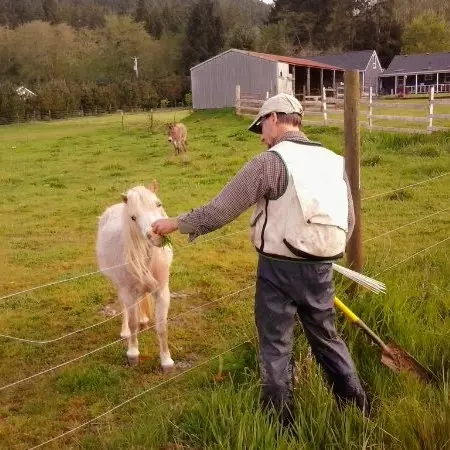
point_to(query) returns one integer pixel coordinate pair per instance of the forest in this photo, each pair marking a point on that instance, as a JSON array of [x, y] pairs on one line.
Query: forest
[[101, 55]]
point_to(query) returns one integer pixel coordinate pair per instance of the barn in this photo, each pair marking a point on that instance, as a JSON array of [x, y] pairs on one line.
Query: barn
[[366, 62], [214, 81]]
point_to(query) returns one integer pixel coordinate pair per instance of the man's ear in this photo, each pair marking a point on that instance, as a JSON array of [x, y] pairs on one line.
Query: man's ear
[[154, 186]]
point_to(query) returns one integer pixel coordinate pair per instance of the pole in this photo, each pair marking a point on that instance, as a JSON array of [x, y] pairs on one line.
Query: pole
[[238, 99], [352, 163], [431, 110], [324, 106]]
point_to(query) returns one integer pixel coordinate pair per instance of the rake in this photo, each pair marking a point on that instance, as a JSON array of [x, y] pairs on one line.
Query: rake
[[392, 355]]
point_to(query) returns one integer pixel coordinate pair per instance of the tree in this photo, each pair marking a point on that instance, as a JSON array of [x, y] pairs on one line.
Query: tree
[[204, 34], [242, 37], [426, 33], [50, 8]]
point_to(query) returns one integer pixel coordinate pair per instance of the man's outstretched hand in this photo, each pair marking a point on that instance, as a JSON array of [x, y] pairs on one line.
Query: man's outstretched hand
[[165, 226]]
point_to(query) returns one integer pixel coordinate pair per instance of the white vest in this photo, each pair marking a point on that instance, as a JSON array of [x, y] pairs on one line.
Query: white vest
[[310, 220]]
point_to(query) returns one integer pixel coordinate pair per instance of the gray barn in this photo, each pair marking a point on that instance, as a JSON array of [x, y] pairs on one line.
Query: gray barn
[[214, 81]]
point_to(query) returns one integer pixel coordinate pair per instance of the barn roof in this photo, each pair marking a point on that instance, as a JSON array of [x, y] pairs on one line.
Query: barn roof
[[294, 61], [277, 58], [348, 60], [420, 63]]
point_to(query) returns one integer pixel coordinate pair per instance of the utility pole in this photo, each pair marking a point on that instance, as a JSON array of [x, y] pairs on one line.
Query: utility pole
[[135, 66], [352, 163]]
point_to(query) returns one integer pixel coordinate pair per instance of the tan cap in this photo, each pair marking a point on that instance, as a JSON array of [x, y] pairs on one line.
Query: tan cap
[[281, 103]]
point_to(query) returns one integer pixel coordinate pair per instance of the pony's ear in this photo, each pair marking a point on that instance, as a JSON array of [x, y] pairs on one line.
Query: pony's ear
[[124, 198], [154, 186]]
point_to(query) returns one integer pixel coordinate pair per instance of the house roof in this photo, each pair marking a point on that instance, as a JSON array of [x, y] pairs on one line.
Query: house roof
[[349, 60], [277, 58], [420, 63], [22, 91]]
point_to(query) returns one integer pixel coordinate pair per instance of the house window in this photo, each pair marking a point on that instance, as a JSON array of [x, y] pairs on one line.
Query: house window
[[429, 77], [374, 65], [447, 78]]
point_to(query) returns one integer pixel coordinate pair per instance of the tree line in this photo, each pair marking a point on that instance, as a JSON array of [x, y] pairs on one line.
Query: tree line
[[78, 55]]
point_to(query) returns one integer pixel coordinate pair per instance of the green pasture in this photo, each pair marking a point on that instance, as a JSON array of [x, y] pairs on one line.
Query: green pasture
[[56, 179]]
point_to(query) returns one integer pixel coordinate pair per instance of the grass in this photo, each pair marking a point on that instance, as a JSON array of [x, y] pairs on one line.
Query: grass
[[56, 179]]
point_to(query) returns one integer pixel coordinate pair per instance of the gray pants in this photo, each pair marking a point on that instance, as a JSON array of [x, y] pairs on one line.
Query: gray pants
[[284, 289]]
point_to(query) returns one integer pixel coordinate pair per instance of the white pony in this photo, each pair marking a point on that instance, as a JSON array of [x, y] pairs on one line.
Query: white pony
[[125, 239]]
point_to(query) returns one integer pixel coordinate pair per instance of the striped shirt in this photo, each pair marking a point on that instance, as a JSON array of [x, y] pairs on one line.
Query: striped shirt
[[264, 176]]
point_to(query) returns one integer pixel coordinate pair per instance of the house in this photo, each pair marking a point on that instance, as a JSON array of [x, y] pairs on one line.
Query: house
[[258, 74], [416, 74], [365, 61], [24, 92]]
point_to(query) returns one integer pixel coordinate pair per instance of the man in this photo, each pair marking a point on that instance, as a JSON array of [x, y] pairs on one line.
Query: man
[[303, 217]]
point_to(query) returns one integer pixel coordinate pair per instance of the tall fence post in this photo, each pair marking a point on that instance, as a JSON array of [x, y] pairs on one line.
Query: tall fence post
[[370, 107], [352, 163], [431, 110], [151, 120], [121, 112], [324, 106], [238, 99]]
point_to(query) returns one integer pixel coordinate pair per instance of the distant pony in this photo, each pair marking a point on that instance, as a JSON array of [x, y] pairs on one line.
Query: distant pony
[[177, 136], [125, 239]]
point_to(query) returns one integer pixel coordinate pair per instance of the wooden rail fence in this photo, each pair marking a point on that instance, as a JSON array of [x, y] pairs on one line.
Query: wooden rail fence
[[330, 111]]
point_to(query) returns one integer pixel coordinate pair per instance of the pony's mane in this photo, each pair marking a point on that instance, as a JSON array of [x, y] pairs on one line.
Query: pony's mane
[[137, 249]]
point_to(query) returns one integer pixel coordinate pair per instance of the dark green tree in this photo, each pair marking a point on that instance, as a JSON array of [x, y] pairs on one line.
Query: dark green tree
[[50, 9], [204, 34]]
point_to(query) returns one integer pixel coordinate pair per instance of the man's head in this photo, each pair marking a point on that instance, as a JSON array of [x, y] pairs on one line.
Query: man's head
[[278, 114]]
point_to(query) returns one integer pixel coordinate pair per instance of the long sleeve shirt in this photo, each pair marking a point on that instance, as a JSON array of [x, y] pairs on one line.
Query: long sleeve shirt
[[263, 176]]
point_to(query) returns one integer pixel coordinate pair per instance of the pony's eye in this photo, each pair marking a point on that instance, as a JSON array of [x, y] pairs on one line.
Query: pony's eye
[[158, 204], [133, 218]]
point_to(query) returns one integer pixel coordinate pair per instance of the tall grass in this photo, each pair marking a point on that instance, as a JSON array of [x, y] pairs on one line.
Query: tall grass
[[57, 178]]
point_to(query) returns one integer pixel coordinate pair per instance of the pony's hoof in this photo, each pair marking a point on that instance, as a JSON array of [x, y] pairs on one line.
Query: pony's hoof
[[168, 366], [125, 334], [133, 360]]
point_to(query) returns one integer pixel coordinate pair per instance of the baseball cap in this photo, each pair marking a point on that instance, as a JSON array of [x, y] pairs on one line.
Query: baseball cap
[[280, 103]]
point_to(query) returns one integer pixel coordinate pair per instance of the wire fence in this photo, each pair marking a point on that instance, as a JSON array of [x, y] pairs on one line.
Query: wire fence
[[52, 115], [204, 363]]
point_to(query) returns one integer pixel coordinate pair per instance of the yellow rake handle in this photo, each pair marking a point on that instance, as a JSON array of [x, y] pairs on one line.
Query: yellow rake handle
[[347, 312]]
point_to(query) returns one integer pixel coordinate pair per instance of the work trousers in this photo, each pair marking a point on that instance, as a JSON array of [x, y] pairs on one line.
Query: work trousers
[[283, 290]]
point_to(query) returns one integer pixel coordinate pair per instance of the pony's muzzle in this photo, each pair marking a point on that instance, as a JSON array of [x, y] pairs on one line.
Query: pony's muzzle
[[170, 139], [154, 238]]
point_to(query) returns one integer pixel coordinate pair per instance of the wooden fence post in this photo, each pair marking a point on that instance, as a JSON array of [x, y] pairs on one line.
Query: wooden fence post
[[238, 99], [352, 163], [370, 107], [121, 112], [151, 120], [431, 110], [324, 106]]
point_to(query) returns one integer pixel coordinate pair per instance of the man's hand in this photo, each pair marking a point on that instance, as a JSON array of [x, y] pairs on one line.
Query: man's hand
[[165, 226]]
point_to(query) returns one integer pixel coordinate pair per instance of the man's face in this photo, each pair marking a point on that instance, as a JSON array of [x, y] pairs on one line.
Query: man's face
[[269, 130]]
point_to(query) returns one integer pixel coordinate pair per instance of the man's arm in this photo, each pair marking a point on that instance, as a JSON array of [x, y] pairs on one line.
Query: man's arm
[[264, 175]]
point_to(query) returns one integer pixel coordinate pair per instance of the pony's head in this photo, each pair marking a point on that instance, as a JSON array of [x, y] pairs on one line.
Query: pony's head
[[143, 207]]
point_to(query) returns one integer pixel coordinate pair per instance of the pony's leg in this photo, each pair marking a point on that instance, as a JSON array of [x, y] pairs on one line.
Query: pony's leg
[[145, 310], [125, 331], [130, 303], [162, 301]]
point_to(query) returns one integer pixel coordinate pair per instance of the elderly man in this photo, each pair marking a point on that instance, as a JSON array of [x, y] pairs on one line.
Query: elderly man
[[302, 220]]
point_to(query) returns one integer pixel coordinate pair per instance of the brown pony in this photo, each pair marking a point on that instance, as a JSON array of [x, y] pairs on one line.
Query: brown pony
[[177, 136]]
